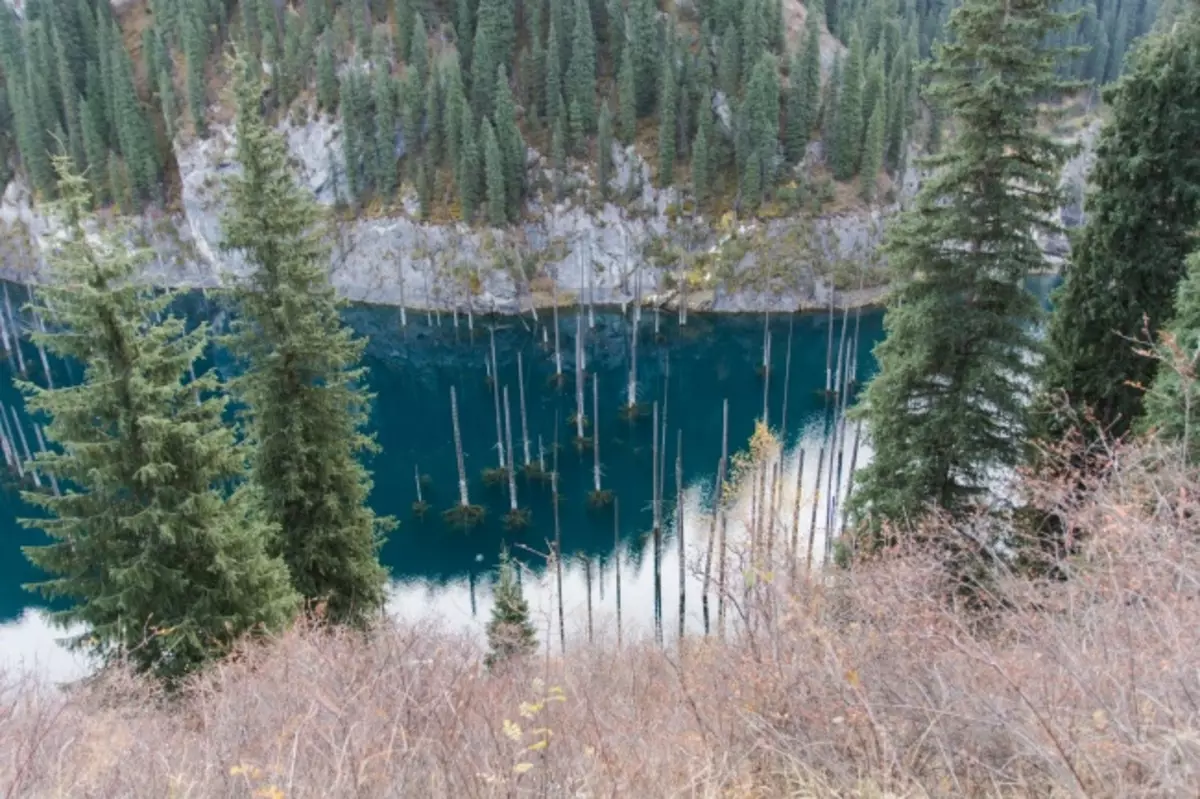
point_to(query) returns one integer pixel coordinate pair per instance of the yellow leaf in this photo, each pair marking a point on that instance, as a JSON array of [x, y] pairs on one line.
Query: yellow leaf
[[539, 746], [852, 678], [521, 768], [512, 731], [237, 771], [270, 792], [529, 710]]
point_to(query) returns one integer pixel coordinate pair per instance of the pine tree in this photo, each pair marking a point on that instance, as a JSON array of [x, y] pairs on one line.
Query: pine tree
[[468, 171], [729, 64], [1173, 401], [327, 83], [948, 407], [897, 124], [872, 160], [701, 157], [848, 137], [558, 154], [196, 52], [384, 93], [494, 172], [455, 113], [627, 100], [604, 140], [166, 102], [166, 569], [510, 633], [753, 36], [354, 136], [418, 50], [554, 80], [581, 74], [405, 20], [1128, 260], [873, 88], [804, 90], [760, 121], [304, 405], [666, 123], [512, 145], [644, 47], [434, 124]]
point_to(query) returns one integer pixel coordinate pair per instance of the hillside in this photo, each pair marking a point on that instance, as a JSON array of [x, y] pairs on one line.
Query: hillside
[[386, 86]]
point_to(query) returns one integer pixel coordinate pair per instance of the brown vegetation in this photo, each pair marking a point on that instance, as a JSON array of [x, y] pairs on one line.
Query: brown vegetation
[[870, 685]]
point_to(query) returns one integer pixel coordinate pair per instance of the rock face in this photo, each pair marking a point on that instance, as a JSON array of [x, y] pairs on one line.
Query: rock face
[[397, 260]]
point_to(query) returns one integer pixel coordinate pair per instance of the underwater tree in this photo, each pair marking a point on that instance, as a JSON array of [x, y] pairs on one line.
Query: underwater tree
[[168, 569]]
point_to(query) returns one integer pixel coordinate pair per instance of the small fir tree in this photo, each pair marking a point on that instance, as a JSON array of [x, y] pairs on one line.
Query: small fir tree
[[1173, 401], [627, 99], [847, 149], [701, 157], [510, 633], [494, 171], [581, 74], [872, 152]]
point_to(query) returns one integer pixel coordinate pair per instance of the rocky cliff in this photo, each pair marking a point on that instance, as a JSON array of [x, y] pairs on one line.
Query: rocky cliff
[[580, 244]]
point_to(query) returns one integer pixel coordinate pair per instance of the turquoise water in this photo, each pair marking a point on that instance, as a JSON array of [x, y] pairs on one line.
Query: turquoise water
[[443, 572]]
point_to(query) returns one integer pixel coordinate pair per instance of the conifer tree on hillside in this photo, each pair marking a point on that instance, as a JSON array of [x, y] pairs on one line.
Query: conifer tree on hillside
[[555, 108], [604, 140], [627, 99], [581, 74], [327, 83], [512, 145], [165, 567], [947, 410], [1173, 401], [494, 174], [304, 403], [667, 106], [1142, 215], [470, 163], [804, 89], [510, 633], [847, 144], [702, 155], [872, 151]]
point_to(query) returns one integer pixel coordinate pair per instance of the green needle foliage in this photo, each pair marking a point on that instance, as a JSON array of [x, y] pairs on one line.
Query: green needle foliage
[[1128, 260], [1173, 402], [947, 408], [304, 404], [510, 633], [167, 569]]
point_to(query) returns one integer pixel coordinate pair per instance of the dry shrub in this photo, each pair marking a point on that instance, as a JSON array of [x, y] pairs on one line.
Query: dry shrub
[[870, 684]]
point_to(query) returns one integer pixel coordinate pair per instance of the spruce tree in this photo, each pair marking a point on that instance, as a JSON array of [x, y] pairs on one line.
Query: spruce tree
[[1127, 261], [627, 100], [947, 410], [645, 49], [554, 81], [468, 171], [510, 633], [512, 145], [872, 160], [729, 64], [558, 154], [848, 131], [301, 389], [166, 102], [405, 21], [581, 74], [667, 106], [804, 89], [327, 82], [701, 157], [455, 112], [384, 93], [753, 36], [165, 567], [494, 172], [418, 50], [604, 140], [196, 53], [1173, 401]]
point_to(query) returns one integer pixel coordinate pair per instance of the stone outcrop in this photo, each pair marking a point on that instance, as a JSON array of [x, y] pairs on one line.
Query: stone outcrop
[[398, 260]]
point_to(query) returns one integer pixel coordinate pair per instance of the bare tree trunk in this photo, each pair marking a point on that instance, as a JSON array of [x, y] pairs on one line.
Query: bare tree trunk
[[496, 397], [793, 550], [712, 536], [458, 451], [787, 380], [512, 468], [657, 513], [812, 528], [524, 418], [617, 560], [679, 532]]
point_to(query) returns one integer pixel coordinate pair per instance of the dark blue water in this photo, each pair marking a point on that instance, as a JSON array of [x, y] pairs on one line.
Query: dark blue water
[[443, 571]]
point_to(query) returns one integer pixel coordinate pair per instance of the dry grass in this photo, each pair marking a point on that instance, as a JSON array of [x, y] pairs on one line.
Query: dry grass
[[871, 685]]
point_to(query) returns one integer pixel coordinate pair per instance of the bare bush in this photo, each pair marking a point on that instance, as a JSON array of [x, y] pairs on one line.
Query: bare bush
[[868, 683]]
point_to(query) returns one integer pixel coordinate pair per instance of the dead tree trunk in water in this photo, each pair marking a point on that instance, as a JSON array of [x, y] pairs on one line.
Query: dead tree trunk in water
[[617, 560], [787, 379], [679, 532], [793, 550], [524, 418], [812, 528], [656, 509]]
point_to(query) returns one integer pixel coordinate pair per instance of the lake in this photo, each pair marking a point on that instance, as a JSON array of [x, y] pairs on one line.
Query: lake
[[442, 572]]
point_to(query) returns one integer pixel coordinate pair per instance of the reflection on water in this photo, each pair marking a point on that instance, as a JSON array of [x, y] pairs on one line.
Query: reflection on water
[[689, 371]]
